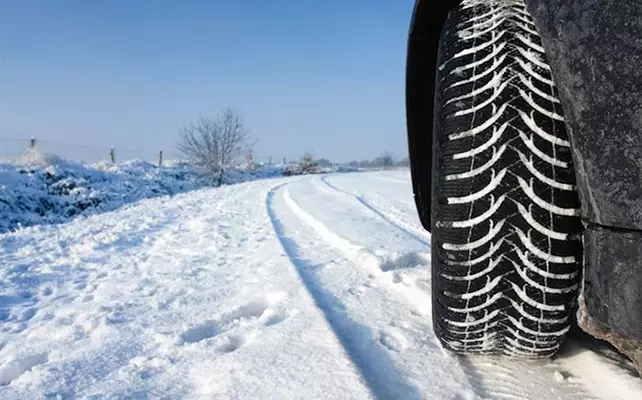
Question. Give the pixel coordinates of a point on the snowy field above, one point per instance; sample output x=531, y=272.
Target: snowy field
x=311, y=287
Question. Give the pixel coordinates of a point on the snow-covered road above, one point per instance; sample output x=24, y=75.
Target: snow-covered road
x=312, y=287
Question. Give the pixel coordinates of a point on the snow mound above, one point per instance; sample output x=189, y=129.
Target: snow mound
x=46, y=189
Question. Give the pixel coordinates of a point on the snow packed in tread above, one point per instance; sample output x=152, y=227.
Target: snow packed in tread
x=506, y=214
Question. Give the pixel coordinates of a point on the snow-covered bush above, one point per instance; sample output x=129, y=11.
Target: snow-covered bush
x=306, y=165
x=43, y=189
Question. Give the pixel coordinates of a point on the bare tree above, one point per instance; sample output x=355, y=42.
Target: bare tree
x=308, y=164
x=385, y=160
x=215, y=145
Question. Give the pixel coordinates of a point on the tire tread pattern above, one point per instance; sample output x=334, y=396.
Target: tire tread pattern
x=506, y=243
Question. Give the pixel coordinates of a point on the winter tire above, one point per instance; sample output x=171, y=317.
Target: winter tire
x=505, y=213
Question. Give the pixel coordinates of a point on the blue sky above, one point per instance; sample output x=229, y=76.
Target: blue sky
x=325, y=76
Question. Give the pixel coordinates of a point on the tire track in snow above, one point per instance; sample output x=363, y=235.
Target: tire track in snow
x=491, y=377
x=363, y=257
x=386, y=217
x=360, y=256
x=490, y=380
x=373, y=364
x=512, y=379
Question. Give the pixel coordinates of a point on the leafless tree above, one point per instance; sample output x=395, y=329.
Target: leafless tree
x=308, y=164
x=385, y=160
x=215, y=145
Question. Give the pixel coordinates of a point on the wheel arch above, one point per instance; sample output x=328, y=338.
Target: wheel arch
x=426, y=24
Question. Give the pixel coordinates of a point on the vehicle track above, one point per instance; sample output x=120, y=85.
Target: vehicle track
x=491, y=377
x=385, y=216
x=358, y=255
x=372, y=362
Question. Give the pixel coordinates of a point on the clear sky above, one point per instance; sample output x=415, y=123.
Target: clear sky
x=319, y=75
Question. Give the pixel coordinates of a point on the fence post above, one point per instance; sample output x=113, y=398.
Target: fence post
x=32, y=143
x=112, y=155
x=160, y=158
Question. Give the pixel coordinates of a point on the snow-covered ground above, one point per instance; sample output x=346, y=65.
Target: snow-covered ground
x=310, y=287
x=44, y=189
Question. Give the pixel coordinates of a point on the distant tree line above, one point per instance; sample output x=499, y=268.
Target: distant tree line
x=385, y=160
x=308, y=164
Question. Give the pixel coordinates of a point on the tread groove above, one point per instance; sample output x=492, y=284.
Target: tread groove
x=506, y=254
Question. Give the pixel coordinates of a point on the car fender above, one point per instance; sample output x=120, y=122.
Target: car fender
x=423, y=43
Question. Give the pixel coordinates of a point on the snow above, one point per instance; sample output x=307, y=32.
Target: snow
x=41, y=189
x=314, y=287
x=44, y=192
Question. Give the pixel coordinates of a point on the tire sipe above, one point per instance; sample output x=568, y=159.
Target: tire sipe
x=506, y=243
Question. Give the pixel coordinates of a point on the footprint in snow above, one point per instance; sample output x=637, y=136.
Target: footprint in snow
x=393, y=340
x=12, y=370
x=402, y=261
x=358, y=291
x=271, y=317
x=255, y=308
x=201, y=332
x=258, y=311
x=27, y=314
x=26, y=295
x=225, y=342
x=235, y=342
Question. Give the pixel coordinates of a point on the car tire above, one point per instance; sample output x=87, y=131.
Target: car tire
x=506, y=232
